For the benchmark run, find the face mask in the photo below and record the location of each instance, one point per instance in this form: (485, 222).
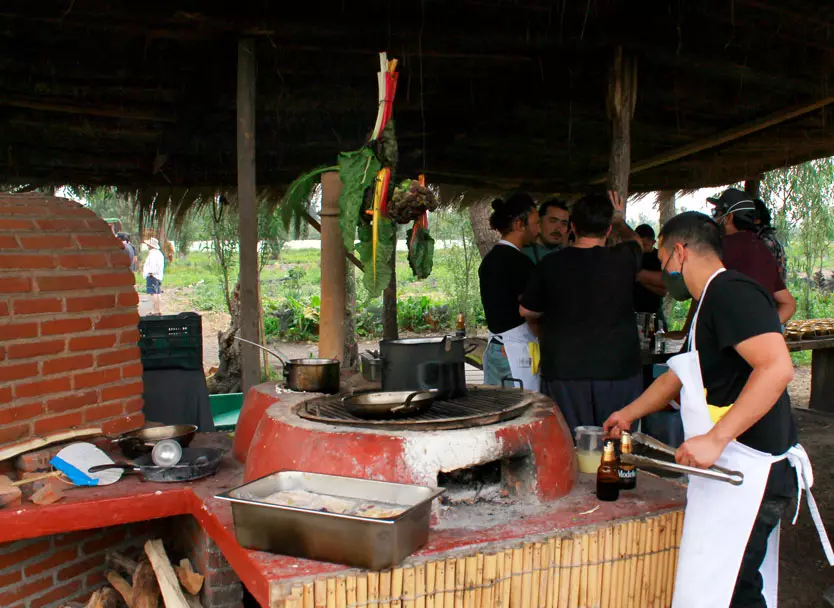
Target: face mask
(674, 283)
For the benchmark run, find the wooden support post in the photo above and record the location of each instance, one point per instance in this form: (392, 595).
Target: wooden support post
(753, 186)
(248, 209)
(622, 95)
(333, 268)
(350, 356)
(666, 205)
(822, 380)
(390, 331)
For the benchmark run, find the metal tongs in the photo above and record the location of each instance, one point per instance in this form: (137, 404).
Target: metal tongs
(715, 472)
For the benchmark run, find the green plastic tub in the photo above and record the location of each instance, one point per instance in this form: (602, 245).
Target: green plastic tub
(225, 410)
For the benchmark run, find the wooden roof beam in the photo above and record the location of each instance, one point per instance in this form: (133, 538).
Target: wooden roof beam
(74, 108)
(722, 138)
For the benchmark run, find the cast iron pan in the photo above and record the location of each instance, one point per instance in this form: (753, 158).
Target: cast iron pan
(137, 443)
(196, 463)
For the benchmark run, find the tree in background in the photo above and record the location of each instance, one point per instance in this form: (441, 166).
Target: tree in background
(800, 198)
(462, 286)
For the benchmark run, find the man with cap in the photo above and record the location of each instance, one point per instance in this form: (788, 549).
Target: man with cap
(553, 230)
(744, 251)
(153, 271)
(769, 238)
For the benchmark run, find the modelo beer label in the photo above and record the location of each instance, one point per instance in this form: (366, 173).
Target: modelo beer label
(632, 474)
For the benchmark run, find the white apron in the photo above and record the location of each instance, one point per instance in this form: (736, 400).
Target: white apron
(719, 516)
(517, 346)
(516, 343)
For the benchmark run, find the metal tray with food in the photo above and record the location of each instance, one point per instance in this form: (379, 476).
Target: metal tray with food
(346, 520)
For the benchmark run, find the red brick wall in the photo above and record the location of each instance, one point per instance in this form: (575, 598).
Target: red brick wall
(49, 571)
(68, 322)
(222, 587)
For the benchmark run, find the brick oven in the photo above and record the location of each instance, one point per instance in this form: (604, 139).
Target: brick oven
(68, 359)
(68, 322)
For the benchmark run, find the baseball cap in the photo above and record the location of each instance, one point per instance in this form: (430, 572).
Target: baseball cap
(736, 201)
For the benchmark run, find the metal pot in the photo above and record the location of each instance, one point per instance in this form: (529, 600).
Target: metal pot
(313, 375)
(402, 358)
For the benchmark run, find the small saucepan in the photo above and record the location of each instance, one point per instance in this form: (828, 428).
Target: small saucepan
(141, 442)
(196, 463)
(389, 404)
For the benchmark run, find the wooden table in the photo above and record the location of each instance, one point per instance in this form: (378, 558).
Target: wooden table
(822, 370)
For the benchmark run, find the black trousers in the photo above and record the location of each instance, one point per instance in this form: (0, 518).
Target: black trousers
(591, 402)
(780, 493)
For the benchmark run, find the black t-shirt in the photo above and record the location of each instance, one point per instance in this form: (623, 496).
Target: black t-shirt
(503, 274)
(645, 300)
(737, 308)
(589, 331)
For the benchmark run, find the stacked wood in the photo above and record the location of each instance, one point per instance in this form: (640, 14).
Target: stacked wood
(153, 581)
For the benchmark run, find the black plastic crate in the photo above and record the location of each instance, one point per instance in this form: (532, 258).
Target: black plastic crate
(172, 341)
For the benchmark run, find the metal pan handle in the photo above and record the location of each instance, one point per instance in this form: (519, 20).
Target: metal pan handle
(735, 478)
(106, 467)
(512, 381)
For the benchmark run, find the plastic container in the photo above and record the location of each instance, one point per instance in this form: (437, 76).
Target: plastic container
(225, 410)
(589, 448)
(172, 341)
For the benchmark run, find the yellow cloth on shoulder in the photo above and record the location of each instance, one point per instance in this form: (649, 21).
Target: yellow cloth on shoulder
(535, 356)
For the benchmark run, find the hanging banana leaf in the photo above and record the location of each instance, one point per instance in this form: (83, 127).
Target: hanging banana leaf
(384, 253)
(420, 252)
(357, 170)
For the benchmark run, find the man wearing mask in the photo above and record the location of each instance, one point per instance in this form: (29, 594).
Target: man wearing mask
(553, 230)
(736, 413)
(590, 350)
(503, 275)
(744, 251)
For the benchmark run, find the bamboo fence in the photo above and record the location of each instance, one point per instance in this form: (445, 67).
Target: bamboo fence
(625, 565)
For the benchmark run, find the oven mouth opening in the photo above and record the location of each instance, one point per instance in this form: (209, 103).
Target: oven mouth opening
(496, 481)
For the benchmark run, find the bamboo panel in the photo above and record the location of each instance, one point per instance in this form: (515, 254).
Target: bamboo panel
(527, 575)
(460, 581)
(307, 595)
(536, 570)
(565, 573)
(385, 589)
(420, 586)
(630, 564)
(432, 569)
(396, 587)
(544, 574)
(409, 588)
(341, 592)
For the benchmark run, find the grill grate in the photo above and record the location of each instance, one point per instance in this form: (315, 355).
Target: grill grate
(480, 407)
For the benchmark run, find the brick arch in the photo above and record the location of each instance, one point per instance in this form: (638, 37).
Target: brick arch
(68, 322)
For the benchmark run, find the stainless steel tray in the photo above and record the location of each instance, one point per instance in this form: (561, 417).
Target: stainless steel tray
(362, 542)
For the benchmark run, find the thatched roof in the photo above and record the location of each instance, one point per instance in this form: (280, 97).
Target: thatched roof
(493, 93)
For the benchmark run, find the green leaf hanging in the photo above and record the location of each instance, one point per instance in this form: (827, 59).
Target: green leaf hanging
(384, 254)
(420, 252)
(357, 170)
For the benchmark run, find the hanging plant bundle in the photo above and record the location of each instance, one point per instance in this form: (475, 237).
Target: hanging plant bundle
(410, 201)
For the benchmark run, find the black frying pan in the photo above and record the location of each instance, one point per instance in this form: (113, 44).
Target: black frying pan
(196, 463)
(137, 443)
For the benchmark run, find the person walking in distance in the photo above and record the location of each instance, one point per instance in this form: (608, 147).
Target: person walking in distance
(153, 272)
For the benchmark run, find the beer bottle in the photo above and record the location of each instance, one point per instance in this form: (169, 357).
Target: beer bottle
(627, 472)
(460, 332)
(608, 479)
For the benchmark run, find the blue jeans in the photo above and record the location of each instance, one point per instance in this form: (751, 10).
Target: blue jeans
(153, 285)
(496, 364)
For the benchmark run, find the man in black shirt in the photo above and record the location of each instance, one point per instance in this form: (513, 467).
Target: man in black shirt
(744, 362)
(503, 275)
(649, 290)
(590, 350)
